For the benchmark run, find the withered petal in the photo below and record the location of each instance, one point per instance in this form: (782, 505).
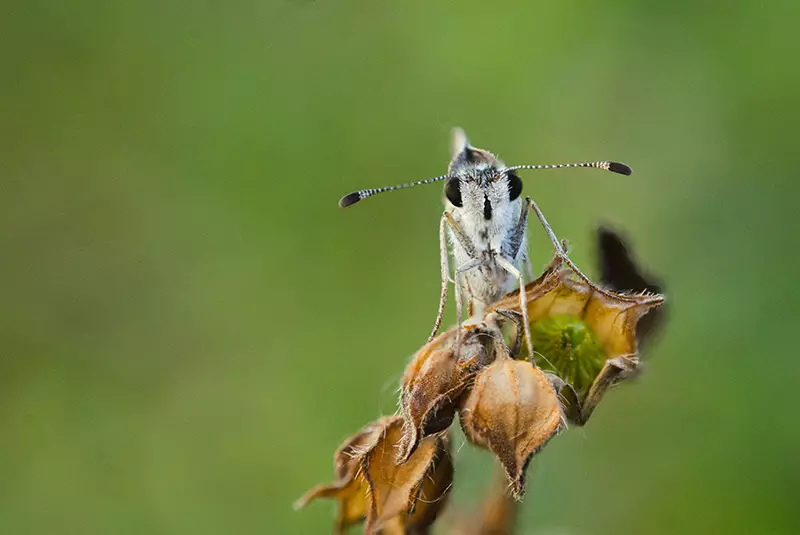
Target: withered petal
(392, 486)
(613, 320)
(352, 498)
(612, 317)
(563, 310)
(433, 493)
(350, 488)
(347, 457)
(513, 411)
(426, 417)
(614, 371)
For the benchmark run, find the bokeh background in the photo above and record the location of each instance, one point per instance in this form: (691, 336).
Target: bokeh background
(190, 325)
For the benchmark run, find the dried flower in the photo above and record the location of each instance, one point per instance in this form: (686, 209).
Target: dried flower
(585, 337)
(394, 488)
(350, 488)
(508, 407)
(513, 411)
(432, 496)
(370, 485)
(396, 472)
(436, 378)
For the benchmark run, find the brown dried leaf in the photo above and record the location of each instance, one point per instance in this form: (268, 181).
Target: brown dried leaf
(513, 411)
(393, 486)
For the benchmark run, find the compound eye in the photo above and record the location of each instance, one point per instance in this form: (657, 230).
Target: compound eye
(514, 186)
(452, 191)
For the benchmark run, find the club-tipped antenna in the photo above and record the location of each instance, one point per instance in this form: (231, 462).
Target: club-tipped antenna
(614, 167)
(362, 194)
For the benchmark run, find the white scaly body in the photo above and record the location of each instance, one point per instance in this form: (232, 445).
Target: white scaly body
(487, 283)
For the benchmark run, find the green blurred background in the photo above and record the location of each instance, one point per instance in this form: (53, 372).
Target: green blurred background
(190, 325)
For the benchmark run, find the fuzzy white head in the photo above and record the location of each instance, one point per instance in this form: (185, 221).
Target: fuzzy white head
(484, 201)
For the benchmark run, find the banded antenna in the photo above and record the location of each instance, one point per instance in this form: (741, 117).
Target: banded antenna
(352, 198)
(614, 167)
(362, 194)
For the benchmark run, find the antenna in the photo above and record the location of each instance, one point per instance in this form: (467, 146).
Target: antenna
(614, 167)
(362, 194)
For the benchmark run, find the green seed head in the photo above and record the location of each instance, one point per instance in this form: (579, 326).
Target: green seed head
(566, 346)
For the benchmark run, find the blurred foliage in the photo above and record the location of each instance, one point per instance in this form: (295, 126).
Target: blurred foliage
(190, 325)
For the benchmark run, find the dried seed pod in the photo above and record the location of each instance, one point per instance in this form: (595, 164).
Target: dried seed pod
(432, 496)
(350, 488)
(513, 411)
(370, 485)
(585, 337)
(435, 380)
(431, 385)
(393, 488)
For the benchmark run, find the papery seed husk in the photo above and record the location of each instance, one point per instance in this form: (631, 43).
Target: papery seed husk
(433, 494)
(349, 489)
(435, 380)
(513, 411)
(392, 486)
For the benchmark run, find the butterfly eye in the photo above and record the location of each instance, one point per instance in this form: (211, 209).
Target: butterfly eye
(452, 191)
(514, 186)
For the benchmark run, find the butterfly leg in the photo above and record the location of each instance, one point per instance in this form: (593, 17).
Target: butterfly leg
(561, 253)
(523, 301)
(516, 317)
(475, 261)
(445, 275)
(471, 264)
